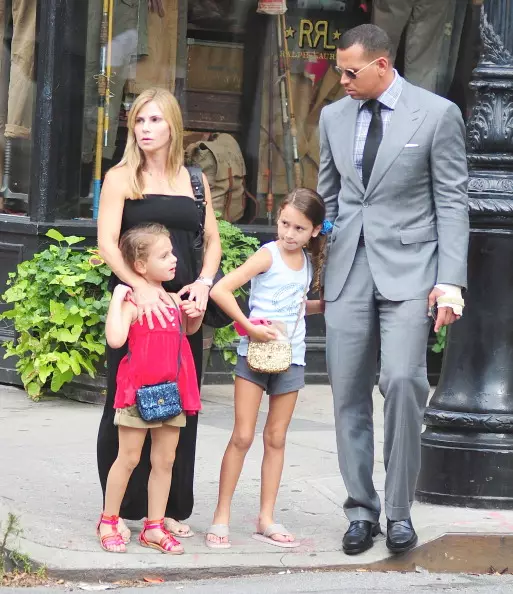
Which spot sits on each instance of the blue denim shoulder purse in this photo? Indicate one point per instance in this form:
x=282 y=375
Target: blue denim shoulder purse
x=162 y=401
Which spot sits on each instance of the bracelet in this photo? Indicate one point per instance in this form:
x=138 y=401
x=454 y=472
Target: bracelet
x=205 y=280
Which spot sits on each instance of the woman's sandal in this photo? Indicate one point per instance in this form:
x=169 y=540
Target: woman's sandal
x=174 y=526
x=114 y=539
x=267 y=534
x=219 y=530
x=167 y=543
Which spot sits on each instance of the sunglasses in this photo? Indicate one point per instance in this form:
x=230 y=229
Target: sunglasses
x=352 y=74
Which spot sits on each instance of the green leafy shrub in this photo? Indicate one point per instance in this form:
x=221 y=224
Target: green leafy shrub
x=59 y=302
x=236 y=249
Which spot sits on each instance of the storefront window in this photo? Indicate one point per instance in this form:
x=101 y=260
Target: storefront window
x=17 y=92
x=117 y=53
x=431 y=33
x=251 y=82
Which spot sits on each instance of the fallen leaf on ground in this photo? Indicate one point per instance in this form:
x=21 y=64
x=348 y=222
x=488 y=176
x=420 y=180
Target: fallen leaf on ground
x=153 y=580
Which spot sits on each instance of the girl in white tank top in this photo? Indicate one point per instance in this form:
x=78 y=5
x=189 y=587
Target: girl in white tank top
x=279 y=273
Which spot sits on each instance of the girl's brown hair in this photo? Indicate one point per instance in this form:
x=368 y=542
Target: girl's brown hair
x=134 y=157
x=135 y=244
x=311 y=205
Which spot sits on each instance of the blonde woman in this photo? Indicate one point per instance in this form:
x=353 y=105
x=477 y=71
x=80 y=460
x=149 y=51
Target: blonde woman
x=151 y=185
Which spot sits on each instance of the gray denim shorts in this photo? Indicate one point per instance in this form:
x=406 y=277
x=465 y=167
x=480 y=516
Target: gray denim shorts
x=274 y=384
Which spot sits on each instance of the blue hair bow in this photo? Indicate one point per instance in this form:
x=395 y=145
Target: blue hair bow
x=326 y=227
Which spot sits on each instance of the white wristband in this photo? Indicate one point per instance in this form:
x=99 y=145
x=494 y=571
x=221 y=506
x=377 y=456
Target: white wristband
x=205 y=280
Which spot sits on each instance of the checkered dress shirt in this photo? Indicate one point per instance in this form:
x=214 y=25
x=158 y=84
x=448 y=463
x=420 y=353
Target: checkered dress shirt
x=388 y=102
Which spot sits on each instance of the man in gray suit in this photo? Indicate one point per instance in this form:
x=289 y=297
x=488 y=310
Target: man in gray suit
x=393 y=175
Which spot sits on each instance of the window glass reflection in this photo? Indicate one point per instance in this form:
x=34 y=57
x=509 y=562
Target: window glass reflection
x=252 y=79
x=17 y=89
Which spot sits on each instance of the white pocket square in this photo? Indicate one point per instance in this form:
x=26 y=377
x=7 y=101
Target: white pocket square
x=410 y=145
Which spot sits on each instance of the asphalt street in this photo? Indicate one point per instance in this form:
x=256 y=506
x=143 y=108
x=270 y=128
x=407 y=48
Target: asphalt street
x=318 y=582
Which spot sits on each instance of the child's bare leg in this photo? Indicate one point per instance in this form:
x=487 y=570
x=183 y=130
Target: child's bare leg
x=247 y=402
x=281 y=408
x=163 y=447
x=131 y=441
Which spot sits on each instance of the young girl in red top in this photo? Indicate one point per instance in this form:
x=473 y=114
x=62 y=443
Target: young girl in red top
x=152 y=359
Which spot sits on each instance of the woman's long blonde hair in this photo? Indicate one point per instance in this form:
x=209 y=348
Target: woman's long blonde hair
x=134 y=158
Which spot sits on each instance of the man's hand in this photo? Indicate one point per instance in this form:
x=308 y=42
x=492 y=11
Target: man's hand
x=445 y=316
x=156 y=6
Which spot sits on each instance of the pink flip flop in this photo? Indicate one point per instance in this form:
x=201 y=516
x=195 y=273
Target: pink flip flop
x=219 y=530
x=266 y=535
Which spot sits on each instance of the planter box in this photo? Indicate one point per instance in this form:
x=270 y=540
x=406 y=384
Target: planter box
x=84 y=388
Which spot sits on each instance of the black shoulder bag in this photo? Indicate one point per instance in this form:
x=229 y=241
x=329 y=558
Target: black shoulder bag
x=214 y=315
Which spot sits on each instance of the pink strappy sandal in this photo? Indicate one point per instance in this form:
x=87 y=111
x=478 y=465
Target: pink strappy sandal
x=114 y=539
x=168 y=543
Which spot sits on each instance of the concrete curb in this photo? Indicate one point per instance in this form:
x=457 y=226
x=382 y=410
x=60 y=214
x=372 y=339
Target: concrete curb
x=451 y=553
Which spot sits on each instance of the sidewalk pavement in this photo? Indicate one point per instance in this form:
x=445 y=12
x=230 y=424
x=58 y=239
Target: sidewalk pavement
x=48 y=479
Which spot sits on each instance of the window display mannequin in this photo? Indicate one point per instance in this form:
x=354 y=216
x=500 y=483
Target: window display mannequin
x=129 y=42
x=158 y=67
x=433 y=31
x=16 y=108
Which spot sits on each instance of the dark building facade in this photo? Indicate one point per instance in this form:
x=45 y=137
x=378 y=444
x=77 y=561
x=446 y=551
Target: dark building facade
x=251 y=84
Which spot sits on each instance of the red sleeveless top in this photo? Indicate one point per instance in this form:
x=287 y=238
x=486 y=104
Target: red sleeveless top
x=152 y=358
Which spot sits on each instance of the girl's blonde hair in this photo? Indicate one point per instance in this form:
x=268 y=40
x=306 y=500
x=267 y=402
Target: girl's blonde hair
x=133 y=156
x=135 y=243
x=311 y=205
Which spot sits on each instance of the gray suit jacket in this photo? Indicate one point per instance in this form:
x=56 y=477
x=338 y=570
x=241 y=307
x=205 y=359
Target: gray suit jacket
x=414 y=212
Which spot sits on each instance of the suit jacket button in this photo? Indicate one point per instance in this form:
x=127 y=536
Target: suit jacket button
x=365 y=204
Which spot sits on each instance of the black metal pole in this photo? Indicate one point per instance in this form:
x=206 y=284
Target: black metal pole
x=56 y=134
x=43 y=181
x=467 y=447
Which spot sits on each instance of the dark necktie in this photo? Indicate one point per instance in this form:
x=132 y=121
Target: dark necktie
x=373 y=140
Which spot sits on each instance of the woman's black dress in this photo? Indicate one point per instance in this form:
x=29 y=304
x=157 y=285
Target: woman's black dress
x=180 y=215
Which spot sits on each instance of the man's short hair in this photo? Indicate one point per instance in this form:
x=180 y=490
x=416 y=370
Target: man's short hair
x=372 y=38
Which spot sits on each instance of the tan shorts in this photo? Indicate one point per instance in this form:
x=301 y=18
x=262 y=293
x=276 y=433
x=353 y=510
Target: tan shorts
x=130 y=417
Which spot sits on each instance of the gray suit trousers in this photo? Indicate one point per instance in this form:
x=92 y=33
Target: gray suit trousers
x=358 y=323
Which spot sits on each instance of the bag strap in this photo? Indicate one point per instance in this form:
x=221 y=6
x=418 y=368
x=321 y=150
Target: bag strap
x=302 y=307
x=179 y=313
x=198 y=189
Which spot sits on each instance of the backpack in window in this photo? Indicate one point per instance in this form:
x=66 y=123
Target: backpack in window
x=220 y=158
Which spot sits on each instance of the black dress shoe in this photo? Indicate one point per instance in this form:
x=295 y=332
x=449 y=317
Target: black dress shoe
x=358 y=537
x=401 y=535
